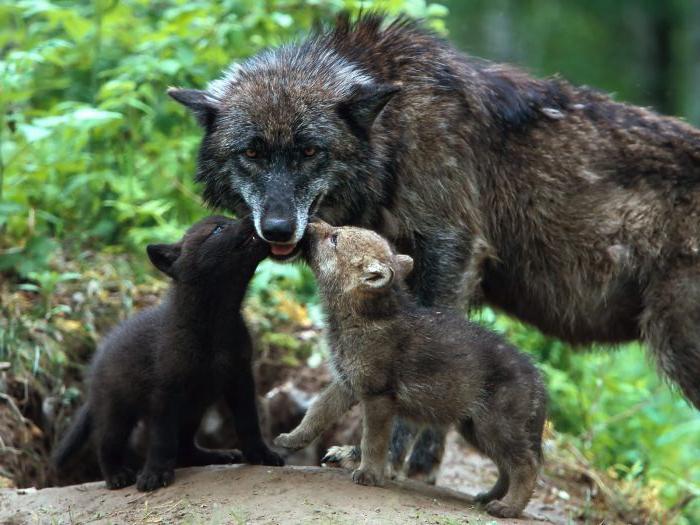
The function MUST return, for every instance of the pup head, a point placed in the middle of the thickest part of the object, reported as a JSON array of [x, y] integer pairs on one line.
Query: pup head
[[353, 261], [284, 131], [215, 250]]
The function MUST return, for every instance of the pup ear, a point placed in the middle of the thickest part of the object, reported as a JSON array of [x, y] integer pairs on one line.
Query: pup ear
[[204, 106], [404, 265], [163, 257], [365, 104], [376, 276]]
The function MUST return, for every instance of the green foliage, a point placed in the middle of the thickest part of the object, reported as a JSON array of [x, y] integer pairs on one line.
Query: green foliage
[[91, 149]]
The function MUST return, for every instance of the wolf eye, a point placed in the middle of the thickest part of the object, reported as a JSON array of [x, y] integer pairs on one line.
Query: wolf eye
[[334, 239], [252, 153], [219, 228], [309, 151]]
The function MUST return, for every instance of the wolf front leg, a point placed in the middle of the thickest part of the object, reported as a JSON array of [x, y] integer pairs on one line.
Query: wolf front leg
[[332, 403], [377, 415]]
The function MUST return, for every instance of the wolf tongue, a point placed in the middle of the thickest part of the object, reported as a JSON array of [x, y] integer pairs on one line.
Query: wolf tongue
[[282, 249]]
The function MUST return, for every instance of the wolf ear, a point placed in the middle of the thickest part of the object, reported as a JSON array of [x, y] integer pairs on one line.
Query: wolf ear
[[363, 106], [404, 265], [376, 276], [163, 257], [204, 106]]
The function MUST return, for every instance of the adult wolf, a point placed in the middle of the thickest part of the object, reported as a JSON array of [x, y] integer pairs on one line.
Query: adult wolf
[[570, 211]]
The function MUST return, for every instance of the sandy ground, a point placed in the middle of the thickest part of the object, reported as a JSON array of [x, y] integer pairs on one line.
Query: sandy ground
[[240, 494], [246, 494]]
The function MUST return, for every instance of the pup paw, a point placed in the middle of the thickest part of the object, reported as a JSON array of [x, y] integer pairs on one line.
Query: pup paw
[[501, 510], [120, 479], [264, 456], [289, 441], [224, 457], [366, 477], [151, 479], [347, 457]]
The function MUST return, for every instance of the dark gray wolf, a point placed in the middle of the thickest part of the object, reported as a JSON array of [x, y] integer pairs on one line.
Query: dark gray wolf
[[169, 363], [428, 365], [551, 202]]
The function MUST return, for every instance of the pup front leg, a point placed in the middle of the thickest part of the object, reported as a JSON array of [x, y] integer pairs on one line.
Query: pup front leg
[[333, 402], [159, 470], [241, 398], [378, 416]]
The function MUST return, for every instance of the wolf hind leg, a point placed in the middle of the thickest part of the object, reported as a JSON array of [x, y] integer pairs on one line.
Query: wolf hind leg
[[424, 449], [425, 456], [671, 329]]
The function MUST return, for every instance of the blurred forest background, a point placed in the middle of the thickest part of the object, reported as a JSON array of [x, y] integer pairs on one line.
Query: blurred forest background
[[96, 161]]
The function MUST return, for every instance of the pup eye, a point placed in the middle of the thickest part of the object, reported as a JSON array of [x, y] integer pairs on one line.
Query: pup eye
[[219, 228], [252, 153], [309, 151], [334, 239]]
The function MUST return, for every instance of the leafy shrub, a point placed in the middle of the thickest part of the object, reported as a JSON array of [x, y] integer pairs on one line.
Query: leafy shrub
[[93, 152]]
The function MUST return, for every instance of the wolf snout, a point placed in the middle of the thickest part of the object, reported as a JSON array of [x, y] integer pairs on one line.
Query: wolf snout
[[275, 229]]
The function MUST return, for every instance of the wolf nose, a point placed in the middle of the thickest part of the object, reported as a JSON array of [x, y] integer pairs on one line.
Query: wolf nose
[[277, 230]]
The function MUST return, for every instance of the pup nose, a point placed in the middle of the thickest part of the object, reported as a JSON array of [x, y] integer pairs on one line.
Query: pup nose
[[317, 226], [277, 230]]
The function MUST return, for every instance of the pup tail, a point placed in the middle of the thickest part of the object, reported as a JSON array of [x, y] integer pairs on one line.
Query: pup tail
[[77, 435]]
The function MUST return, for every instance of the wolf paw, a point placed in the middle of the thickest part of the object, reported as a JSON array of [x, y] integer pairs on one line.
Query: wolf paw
[[347, 457], [501, 510], [366, 477], [151, 479], [120, 479]]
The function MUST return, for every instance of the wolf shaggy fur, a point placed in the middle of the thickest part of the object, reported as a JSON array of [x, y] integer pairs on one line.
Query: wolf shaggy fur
[[168, 364], [570, 211], [429, 365]]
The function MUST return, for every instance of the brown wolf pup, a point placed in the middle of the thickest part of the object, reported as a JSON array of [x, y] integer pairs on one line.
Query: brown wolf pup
[[168, 364], [428, 365]]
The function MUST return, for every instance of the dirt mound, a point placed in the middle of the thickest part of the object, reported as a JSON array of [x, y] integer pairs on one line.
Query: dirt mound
[[246, 494]]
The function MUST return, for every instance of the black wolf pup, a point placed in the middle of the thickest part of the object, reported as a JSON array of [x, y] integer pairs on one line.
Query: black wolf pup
[[167, 364], [428, 365]]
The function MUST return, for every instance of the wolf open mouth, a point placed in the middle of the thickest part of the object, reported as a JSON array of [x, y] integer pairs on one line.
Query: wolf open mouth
[[284, 252]]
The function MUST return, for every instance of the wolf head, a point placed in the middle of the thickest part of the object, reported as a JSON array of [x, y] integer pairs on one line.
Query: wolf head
[[217, 250], [284, 130], [349, 261]]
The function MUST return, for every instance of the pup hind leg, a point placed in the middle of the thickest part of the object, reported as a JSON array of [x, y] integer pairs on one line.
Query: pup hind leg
[[523, 478], [518, 464], [500, 488]]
